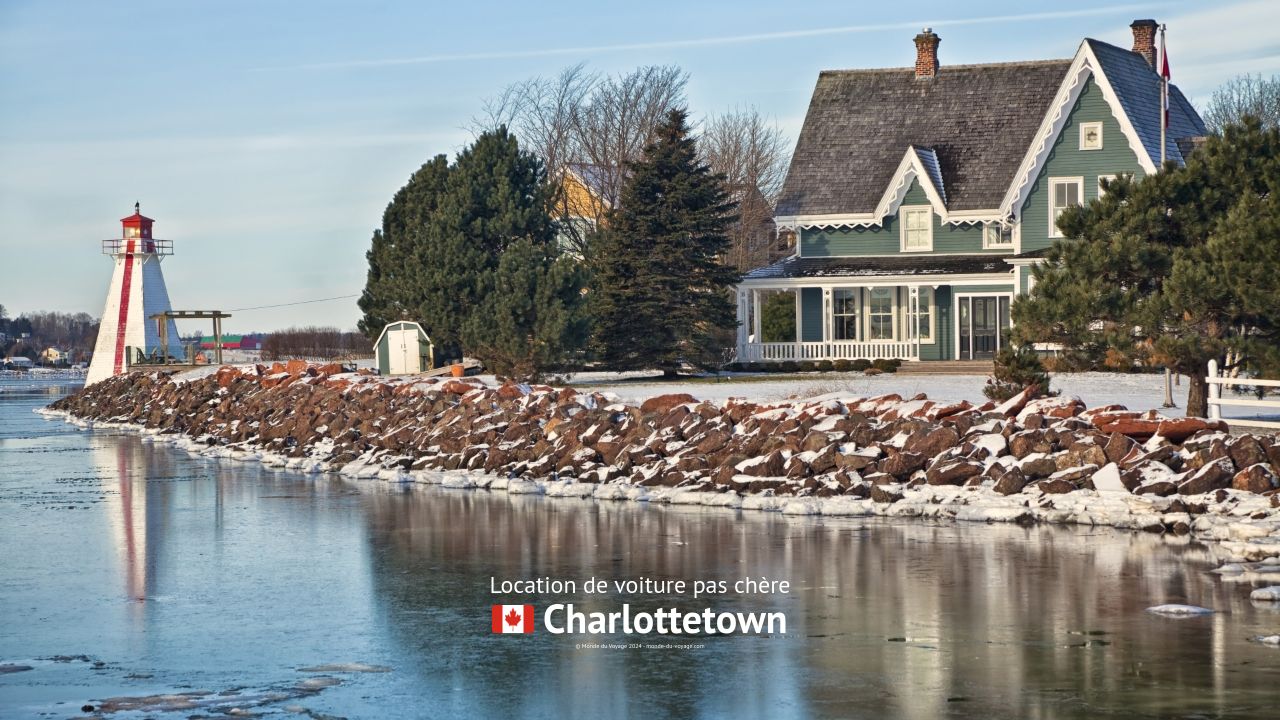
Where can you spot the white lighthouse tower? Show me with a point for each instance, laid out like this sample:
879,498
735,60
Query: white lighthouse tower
137,292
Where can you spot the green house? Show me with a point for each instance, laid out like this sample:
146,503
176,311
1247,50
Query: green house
920,196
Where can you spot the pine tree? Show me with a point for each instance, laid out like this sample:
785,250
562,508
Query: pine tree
659,286
1017,367
391,283
495,194
1171,270
530,316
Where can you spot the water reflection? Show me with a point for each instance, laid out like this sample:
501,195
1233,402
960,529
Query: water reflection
905,619
199,573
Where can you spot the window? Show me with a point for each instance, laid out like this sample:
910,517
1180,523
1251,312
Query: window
1091,136
880,314
1101,190
844,311
917,228
997,235
925,325
1063,193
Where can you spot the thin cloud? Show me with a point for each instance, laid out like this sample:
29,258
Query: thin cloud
713,41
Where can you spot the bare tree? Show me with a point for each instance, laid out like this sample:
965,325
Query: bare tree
315,343
587,125
1244,95
752,153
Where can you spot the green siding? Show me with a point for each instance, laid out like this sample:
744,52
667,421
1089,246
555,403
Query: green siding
1066,159
886,240
811,314
981,289
944,334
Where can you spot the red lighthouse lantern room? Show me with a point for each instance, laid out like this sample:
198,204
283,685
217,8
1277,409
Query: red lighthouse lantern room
137,232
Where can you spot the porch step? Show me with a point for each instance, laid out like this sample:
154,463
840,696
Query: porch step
947,367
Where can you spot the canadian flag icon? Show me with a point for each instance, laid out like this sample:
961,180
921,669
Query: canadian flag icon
513,618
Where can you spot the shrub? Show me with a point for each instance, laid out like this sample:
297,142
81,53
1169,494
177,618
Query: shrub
788,366
884,365
1017,368
825,366
861,364
843,365
871,371
807,366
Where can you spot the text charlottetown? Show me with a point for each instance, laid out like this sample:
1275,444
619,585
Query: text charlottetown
564,619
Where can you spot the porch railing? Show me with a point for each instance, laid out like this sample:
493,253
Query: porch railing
834,350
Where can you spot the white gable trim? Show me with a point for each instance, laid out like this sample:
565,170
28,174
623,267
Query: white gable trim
909,169
1084,66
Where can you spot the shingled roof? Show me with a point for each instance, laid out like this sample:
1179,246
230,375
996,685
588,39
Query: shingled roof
977,119
796,266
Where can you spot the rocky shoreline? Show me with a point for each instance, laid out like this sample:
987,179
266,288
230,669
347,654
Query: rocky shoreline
1047,460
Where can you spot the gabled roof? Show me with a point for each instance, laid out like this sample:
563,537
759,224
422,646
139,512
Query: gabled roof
1137,86
860,121
800,267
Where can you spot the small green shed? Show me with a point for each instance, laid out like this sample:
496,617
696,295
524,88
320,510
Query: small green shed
403,348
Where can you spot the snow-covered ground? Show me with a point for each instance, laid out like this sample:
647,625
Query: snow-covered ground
1137,392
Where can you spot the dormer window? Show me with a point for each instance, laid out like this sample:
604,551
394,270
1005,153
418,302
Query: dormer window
917,228
997,236
1091,136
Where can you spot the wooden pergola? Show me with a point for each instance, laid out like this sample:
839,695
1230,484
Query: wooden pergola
217,316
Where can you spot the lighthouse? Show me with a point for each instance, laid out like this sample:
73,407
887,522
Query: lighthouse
137,292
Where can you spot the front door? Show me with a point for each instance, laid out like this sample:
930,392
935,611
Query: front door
984,323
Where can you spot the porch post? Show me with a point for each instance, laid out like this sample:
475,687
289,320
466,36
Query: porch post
755,315
828,325
742,323
913,313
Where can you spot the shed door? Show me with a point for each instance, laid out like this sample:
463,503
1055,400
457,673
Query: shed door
402,348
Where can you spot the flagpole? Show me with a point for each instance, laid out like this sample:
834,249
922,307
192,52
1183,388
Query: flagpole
1164,100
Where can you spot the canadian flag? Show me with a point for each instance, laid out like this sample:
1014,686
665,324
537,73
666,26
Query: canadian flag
513,618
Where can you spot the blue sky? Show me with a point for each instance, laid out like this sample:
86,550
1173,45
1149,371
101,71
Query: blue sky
266,137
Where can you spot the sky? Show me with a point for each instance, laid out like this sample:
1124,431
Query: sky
266,137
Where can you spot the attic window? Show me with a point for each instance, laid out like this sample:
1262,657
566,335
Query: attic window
996,235
1091,136
917,228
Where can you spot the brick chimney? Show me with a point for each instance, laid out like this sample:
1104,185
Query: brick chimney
927,54
1144,40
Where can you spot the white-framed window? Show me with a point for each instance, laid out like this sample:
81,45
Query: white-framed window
917,228
926,317
844,313
880,312
1091,136
997,236
1109,178
1063,193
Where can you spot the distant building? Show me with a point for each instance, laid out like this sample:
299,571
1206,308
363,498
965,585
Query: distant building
18,362
53,356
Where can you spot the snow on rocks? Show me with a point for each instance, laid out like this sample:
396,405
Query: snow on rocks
1025,460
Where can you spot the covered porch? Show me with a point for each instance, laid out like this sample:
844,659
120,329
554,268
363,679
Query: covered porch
866,313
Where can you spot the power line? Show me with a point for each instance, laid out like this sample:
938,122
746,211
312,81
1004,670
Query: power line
300,302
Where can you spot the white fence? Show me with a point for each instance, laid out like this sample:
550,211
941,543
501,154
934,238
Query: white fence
1216,401
834,350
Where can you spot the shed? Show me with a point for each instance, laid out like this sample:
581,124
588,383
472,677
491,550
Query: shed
403,348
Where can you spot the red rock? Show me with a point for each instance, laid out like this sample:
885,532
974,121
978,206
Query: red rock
1256,478
931,442
330,369
1015,404
954,473
457,387
663,403
510,391
227,375
1179,429
1055,486
295,367
566,393
941,410
1213,476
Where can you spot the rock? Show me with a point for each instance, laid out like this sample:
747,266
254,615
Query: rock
954,473
1246,451
1011,482
1055,486
1213,476
1179,429
902,464
1160,488
1081,454
1256,478
295,367
1108,479
1118,447
882,494
1075,475
664,403
712,441
1027,442
1037,466
771,465
931,442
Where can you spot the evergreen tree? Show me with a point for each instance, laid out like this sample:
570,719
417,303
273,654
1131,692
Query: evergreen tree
659,286
530,316
495,194
1017,367
1171,270
778,318
391,283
